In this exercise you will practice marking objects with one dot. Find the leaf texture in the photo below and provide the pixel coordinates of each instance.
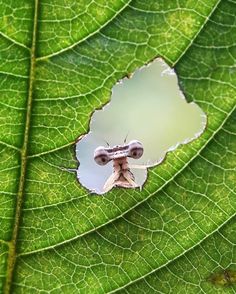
(59, 62)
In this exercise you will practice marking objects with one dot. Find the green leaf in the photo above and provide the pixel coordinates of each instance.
(59, 62)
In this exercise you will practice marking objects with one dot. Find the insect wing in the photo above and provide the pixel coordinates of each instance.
(110, 183)
(130, 178)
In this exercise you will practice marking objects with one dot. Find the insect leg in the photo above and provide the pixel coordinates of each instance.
(139, 166)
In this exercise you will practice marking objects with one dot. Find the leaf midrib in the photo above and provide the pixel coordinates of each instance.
(170, 62)
(24, 149)
(24, 152)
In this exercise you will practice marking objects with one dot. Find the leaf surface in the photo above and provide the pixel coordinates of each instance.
(59, 62)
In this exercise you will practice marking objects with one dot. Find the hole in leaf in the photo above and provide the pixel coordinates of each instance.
(148, 107)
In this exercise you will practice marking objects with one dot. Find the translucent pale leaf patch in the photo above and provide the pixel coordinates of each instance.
(148, 107)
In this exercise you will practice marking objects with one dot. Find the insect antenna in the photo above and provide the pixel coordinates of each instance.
(106, 143)
(126, 137)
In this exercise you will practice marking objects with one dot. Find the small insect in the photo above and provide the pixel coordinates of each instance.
(121, 176)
